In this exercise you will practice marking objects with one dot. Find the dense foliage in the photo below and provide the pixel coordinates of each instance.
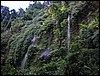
(48, 22)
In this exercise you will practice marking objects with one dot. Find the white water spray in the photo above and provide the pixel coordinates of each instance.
(46, 52)
(68, 33)
(33, 40)
(24, 61)
(23, 64)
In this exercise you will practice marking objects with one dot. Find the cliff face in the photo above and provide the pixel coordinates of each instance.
(49, 26)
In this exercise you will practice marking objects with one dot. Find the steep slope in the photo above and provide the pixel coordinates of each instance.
(49, 26)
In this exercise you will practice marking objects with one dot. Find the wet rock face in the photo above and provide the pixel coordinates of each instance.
(45, 54)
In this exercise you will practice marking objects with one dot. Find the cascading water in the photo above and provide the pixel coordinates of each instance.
(33, 40)
(25, 57)
(45, 54)
(24, 61)
(68, 33)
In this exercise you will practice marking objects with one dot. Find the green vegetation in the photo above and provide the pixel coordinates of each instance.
(48, 22)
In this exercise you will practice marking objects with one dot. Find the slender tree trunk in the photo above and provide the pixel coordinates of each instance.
(8, 22)
(4, 20)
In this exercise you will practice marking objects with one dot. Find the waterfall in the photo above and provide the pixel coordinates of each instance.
(45, 54)
(33, 40)
(68, 33)
(26, 55)
(24, 61)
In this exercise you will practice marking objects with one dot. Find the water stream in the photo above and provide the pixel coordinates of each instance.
(33, 40)
(45, 54)
(68, 33)
(24, 61)
(23, 64)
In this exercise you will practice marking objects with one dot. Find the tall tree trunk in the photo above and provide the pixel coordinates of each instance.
(8, 22)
